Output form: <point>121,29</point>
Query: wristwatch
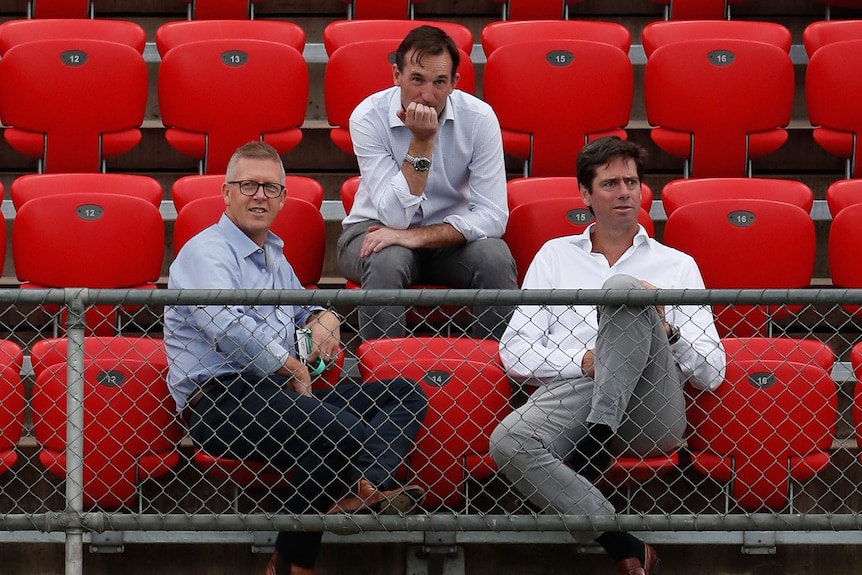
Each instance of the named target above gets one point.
<point>420,163</point>
<point>674,335</point>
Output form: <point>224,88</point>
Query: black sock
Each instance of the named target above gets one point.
<point>591,457</point>
<point>620,545</point>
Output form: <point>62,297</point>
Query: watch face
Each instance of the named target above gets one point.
<point>422,164</point>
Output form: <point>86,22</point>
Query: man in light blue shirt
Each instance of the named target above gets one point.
<point>244,393</point>
<point>431,207</point>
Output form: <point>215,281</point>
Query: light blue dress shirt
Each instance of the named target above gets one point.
<point>212,340</point>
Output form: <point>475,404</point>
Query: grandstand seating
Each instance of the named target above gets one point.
<point>380,9</point>
<point>697,9</point>
<point>13,32</point>
<point>656,34</point>
<point>31,186</point>
<point>468,394</point>
<point>50,351</point>
<point>60,8</point>
<point>498,34</point>
<point>533,223</point>
<point>843,193</point>
<point>749,84</point>
<point>190,188</point>
<point>524,190</point>
<point>832,79</point>
<point>746,243</point>
<point>172,34</point>
<point>72,103</point>
<point>220,9</point>
<point>215,95</point>
<point>536,89</point>
<point>535,9</point>
<point>343,32</point>
<point>12,403</point>
<point>89,240</point>
<point>770,423</point>
<point>131,432</point>
<point>845,236</point>
<point>856,363</point>
<point>299,224</point>
<point>823,32</point>
<point>687,191</point>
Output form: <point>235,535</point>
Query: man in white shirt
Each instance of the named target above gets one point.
<point>431,207</point>
<point>609,379</point>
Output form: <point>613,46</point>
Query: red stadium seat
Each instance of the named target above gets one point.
<point>524,190</point>
<point>697,9</point>
<point>468,394</point>
<point>657,34</point>
<point>31,186</point>
<point>843,249</point>
<point>12,403</point>
<point>819,34</point>
<point>131,431</point>
<point>13,32</point>
<point>343,32</point>
<point>498,34</point>
<point>746,243</point>
<point>221,9</point>
<point>99,241</point>
<point>843,193</point>
<point>380,9</point>
<point>189,188</point>
<point>856,363</point>
<point>215,95</point>
<point>536,9</point>
<point>534,223</point>
<point>683,192</point>
<point>524,81</point>
<point>833,78</point>
<point>770,423</point>
<point>299,224</point>
<point>50,351</point>
<point>72,103</point>
<point>749,84</point>
<point>172,34</point>
<point>809,351</point>
<point>60,8</point>
<point>356,71</point>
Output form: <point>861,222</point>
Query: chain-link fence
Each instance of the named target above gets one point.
<point>91,444</point>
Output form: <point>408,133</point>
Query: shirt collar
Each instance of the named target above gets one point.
<point>584,240</point>
<point>241,242</point>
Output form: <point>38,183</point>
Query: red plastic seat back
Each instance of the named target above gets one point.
<point>13,32</point>
<point>819,34</point>
<point>215,95</point>
<point>343,32</point>
<point>31,186</point>
<point>687,191</point>
<point>856,363</point>
<point>299,224</point>
<point>501,33</point>
<point>535,9</point>
<point>380,9</point>
<point>172,34</point>
<point>845,236</point>
<point>524,81</point>
<point>12,403</point>
<point>357,70</point>
<point>748,86</point>
<point>524,190</point>
<point>73,103</point>
<point>88,240</point>
<point>833,79</point>
<point>813,351</point>
<point>189,188</point>
<point>130,427</point>
<point>656,34</point>
<point>47,352</point>
<point>843,193</point>
<point>534,223</point>
<point>765,420</point>
<point>745,243</point>
<point>697,9</point>
<point>468,394</point>
<point>220,9</point>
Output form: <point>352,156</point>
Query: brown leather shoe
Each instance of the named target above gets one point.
<point>404,500</point>
<point>277,567</point>
<point>632,565</point>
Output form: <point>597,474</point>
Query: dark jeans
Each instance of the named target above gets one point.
<point>330,440</point>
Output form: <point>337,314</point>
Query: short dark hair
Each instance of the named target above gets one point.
<point>254,150</point>
<point>601,152</point>
<point>427,40</point>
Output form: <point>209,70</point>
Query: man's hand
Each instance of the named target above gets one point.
<point>379,237</point>
<point>588,363</point>
<point>299,379</point>
<point>325,329</point>
<point>419,119</point>
<point>658,308</point>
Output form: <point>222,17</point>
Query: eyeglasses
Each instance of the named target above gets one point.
<point>250,187</point>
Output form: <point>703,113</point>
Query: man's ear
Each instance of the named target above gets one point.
<point>585,194</point>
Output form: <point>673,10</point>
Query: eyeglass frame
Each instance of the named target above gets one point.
<point>259,185</point>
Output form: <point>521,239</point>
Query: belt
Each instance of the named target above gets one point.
<point>198,394</point>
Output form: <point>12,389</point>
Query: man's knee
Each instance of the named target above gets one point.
<point>390,268</point>
<point>494,264</point>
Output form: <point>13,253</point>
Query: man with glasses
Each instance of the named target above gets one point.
<point>609,378</point>
<point>431,207</point>
<point>240,385</point>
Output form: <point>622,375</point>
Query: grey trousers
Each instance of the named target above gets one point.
<point>636,391</point>
<point>483,264</point>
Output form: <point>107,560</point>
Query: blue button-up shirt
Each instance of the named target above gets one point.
<point>212,340</point>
